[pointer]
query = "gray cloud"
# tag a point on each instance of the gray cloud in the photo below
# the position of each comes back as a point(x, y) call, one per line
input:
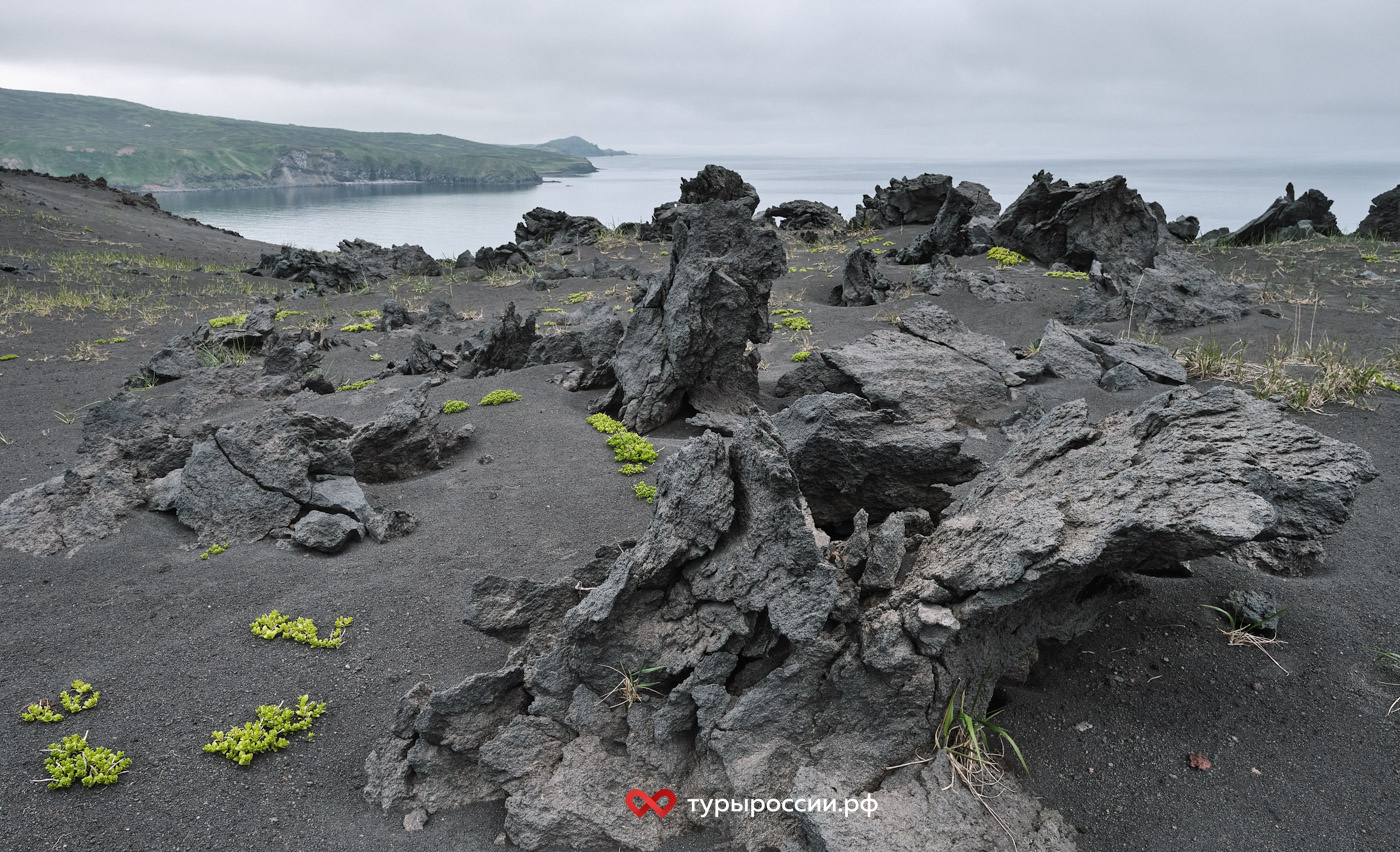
point(956, 79)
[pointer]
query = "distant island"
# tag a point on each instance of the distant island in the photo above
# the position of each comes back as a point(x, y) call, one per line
point(138, 147)
point(580, 147)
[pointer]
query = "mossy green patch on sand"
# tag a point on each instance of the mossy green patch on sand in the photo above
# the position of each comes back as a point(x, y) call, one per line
point(302, 630)
point(74, 760)
point(500, 397)
point(356, 385)
point(453, 406)
point(1005, 256)
point(223, 322)
point(267, 733)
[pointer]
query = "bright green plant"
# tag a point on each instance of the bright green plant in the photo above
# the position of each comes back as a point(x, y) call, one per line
point(644, 491)
point(367, 314)
point(108, 340)
point(1005, 256)
point(605, 424)
point(214, 550)
point(964, 737)
point(631, 688)
point(452, 406)
point(302, 630)
point(356, 385)
point(785, 312)
point(376, 357)
point(632, 469)
point(41, 711)
point(75, 760)
point(281, 315)
point(576, 298)
point(9, 357)
point(358, 326)
point(799, 357)
point(500, 397)
point(267, 733)
point(1077, 276)
point(75, 703)
point(631, 447)
point(221, 322)
point(795, 324)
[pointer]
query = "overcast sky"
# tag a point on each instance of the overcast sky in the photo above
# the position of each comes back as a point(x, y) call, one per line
point(940, 78)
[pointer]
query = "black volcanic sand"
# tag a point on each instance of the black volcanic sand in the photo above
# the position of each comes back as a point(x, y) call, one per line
point(1302, 760)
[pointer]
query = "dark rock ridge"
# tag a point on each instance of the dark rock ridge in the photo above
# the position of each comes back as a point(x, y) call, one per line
point(1383, 219)
point(358, 263)
point(1177, 292)
point(257, 476)
point(541, 227)
point(903, 202)
point(1103, 221)
point(963, 226)
point(1288, 218)
point(772, 645)
point(803, 215)
point(508, 256)
point(1185, 228)
point(686, 342)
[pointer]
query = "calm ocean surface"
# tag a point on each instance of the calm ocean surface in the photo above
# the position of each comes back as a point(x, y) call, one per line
point(447, 222)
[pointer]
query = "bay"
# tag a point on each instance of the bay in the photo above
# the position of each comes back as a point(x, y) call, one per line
point(1221, 192)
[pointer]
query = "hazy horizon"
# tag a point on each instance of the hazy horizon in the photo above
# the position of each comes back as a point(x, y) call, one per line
point(950, 80)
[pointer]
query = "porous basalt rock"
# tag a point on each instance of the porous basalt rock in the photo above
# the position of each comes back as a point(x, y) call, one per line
point(1177, 292)
point(953, 231)
point(1104, 221)
point(405, 440)
point(686, 341)
point(359, 262)
point(767, 655)
point(1383, 218)
point(716, 183)
point(903, 202)
point(1185, 228)
point(1284, 218)
point(862, 283)
point(541, 227)
point(501, 347)
point(801, 215)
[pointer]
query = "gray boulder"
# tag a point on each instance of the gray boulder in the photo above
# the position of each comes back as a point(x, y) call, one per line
point(405, 440)
point(1288, 212)
point(1177, 292)
point(687, 338)
point(1184, 228)
point(328, 533)
point(951, 233)
point(507, 256)
point(767, 656)
point(803, 215)
point(541, 227)
point(502, 347)
point(1383, 219)
point(904, 202)
point(716, 183)
point(861, 282)
point(1104, 221)
point(358, 263)
point(849, 457)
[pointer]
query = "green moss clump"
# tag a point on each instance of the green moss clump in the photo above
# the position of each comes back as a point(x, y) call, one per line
point(452, 406)
point(221, 322)
point(281, 315)
point(106, 340)
point(785, 312)
point(605, 424)
point(376, 357)
point(631, 447)
point(500, 397)
point(76, 703)
point(1077, 276)
point(799, 357)
point(1005, 256)
point(75, 760)
point(632, 469)
point(367, 314)
point(9, 357)
point(644, 491)
point(358, 326)
point(214, 550)
point(575, 298)
point(357, 385)
point(268, 733)
point(797, 324)
point(41, 711)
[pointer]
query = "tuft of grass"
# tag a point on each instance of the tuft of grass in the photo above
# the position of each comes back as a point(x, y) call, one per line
point(235, 353)
point(1245, 634)
point(631, 688)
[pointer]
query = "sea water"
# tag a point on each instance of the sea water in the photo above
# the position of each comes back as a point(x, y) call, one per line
point(1220, 192)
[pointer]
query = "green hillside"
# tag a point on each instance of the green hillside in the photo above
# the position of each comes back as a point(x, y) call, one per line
point(135, 146)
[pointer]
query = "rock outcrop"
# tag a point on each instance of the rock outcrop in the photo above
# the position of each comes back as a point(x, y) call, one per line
point(766, 650)
point(358, 263)
point(541, 227)
point(686, 341)
point(862, 283)
point(803, 215)
point(501, 347)
point(1288, 218)
point(1103, 221)
point(962, 227)
point(1383, 219)
point(903, 202)
point(1177, 292)
point(716, 183)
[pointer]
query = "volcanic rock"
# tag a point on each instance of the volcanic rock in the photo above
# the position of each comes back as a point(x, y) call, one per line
point(904, 202)
point(1178, 292)
point(805, 215)
point(328, 533)
point(405, 440)
point(1105, 220)
point(499, 348)
point(1287, 212)
point(1184, 228)
point(950, 233)
point(541, 227)
point(359, 262)
point(1383, 219)
point(861, 282)
point(716, 183)
point(508, 256)
point(686, 341)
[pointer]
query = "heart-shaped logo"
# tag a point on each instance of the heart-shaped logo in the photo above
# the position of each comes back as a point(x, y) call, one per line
point(650, 803)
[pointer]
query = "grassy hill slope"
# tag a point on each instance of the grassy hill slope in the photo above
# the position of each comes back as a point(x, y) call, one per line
point(135, 146)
